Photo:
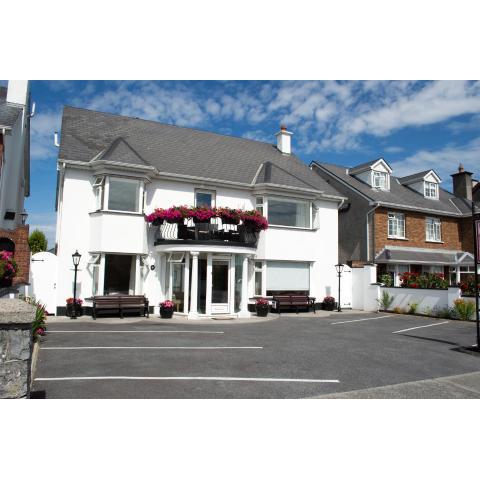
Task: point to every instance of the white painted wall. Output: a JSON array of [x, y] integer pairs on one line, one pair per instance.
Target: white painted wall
[[80, 228], [427, 299], [43, 279]]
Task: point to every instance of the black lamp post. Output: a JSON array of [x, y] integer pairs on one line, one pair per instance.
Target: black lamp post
[[476, 251], [76, 261], [339, 268]]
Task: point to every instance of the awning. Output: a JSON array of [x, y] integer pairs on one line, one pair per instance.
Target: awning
[[424, 257]]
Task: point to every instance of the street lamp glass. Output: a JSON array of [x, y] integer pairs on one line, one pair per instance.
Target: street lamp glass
[[339, 267], [76, 258]]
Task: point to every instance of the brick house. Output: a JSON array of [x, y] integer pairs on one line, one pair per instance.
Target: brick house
[[403, 223], [15, 174]]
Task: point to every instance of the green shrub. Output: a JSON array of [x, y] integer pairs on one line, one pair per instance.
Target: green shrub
[[37, 242], [386, 279], [464, 309], [413, 307], [386, 300]]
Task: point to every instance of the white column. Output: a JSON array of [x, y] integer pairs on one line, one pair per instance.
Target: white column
[[194, 286], [244, 301], [208, 300], [186, 284]]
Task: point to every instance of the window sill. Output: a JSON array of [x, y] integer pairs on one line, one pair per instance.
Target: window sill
[[117, 212], [433, 241], [398, 238], [291, 228]]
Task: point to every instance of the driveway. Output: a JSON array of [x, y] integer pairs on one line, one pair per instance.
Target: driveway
[[288, 357]]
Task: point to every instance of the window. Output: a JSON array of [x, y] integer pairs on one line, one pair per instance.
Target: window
[[288, 277], [380, 180], [123, 194], [98, 192], [431, 190], [204, 198], [433, 230], [290, 213], [396, 225], [176, 257], [94, 264], [259, 205], [258, 278]]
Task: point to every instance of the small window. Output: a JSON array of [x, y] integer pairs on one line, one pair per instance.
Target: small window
[[396, 225], [433, 230], [380, 180], [123, 194], [98, 186], [431, 190], [94, 259], [98, 182], [176, 257], [259, 205], [204, 198], [289, 213]]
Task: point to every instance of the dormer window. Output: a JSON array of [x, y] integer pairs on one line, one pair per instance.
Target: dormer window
[[431, 190], [380, 180]]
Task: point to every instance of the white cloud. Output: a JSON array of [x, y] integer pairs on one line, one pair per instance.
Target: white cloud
[[444, 161], [394, 149], [43, 126]]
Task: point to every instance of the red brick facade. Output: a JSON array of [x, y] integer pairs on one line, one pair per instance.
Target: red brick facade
[[19, 237], [455, 232]]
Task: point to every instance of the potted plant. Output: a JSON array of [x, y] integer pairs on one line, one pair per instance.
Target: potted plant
[[166, 309], [74, 307], [229, 216], [328, 303], [202, 214], [254, 221], [8, 268], [261, 307]]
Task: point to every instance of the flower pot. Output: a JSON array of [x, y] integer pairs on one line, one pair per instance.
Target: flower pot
[[74, 310], [262, 310], [166, 312], [329, 306]]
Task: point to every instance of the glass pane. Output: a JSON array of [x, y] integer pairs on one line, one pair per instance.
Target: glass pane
[[291, 214], [203, 199], [178, 281], [238, 281], [258, 283], [123, 195], [219, 283], [118, 270]]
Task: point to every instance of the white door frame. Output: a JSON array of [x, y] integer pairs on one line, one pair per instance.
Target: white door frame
[[221, 307]]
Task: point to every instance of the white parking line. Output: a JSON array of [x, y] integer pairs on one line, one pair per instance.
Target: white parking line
[[151, 348], [133, 331], [423, 326], [221, 379], [361, 319]]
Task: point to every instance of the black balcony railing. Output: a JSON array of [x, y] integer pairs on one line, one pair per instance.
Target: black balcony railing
[[209, 233]]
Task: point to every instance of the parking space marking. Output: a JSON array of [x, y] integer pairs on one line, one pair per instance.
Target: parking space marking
[[133, 331], [422, 326], [151, 348], [221, 379], [361, 319]]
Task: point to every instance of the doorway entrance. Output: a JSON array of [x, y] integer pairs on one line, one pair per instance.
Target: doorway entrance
[[119, 274], [220, 286]]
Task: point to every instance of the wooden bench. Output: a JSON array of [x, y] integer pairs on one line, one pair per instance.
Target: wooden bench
[[121, 304], [294, 301]]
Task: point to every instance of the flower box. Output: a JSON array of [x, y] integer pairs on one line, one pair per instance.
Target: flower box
[[262, 307], [166, 309]]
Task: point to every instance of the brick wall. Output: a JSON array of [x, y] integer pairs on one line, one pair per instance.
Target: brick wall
[[452, 231], [19, 237]]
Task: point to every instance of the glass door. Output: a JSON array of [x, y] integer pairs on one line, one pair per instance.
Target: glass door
[[220, 286]]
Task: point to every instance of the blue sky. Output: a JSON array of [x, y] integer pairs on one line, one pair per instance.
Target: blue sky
[[414, 125]]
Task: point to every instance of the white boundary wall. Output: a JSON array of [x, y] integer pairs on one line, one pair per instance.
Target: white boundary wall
[[426, 298]]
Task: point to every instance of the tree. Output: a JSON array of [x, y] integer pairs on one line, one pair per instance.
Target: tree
[[37, 241]]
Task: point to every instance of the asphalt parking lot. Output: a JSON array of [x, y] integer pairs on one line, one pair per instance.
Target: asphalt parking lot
[[289, 357]]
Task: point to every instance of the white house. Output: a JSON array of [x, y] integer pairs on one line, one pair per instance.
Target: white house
[[15, 117], [113, 170]]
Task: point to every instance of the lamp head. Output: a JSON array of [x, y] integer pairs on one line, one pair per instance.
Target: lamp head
[[76, 258]]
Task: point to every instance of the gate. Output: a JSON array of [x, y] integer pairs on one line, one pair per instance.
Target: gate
[[43, 278]]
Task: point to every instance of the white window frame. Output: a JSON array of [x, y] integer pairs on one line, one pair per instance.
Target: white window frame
[[176, 257], [399, 221], [376, 174], [259, 267], [98, 187], [266, 203], [260, 205], [427, 189], [139, 193], [433, 234], [213, 193]]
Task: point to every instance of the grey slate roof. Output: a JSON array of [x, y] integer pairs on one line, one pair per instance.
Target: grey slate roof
[[433, 257], [401, 195], [87, 134], [414, 176], [8, 113]]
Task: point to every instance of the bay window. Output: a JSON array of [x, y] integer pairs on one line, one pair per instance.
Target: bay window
[[433, 230], [396, 225], [123, 194], [289, 213]]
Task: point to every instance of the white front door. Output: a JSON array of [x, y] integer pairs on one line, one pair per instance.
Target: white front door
[[220, 286]]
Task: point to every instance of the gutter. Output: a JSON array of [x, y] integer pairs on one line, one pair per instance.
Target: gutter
[[368, 230]]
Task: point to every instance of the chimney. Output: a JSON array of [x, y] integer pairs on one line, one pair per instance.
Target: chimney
[[462, 183], [284, 141], [17, 92]]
